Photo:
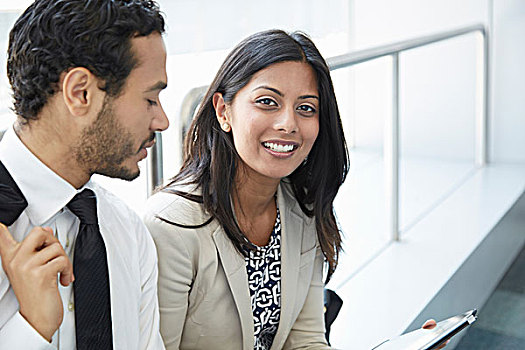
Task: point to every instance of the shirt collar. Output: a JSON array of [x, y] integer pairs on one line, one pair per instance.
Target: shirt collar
[[45, 191]]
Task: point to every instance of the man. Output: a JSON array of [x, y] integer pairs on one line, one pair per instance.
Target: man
[[78, 266]]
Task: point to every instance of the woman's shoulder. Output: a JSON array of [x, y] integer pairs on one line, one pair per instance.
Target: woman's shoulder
[[176, 204], [286, 191], [289, 200]]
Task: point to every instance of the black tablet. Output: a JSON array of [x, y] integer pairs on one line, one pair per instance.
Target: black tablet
[[428, 339]]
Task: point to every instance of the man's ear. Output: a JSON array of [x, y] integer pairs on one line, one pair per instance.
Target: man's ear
[[222, 112], [80, 91]]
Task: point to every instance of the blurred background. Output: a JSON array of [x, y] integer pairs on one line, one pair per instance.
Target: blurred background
[[432, 235]]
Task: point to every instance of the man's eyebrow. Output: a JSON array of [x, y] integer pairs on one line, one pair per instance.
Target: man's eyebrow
[[269, 88], [158, 86]]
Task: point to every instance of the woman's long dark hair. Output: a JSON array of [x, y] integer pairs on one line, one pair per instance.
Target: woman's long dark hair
[[210, 158]]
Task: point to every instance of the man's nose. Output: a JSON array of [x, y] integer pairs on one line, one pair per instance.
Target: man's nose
[[160, 122]]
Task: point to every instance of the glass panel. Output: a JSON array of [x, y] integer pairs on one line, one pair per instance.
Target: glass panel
[[364, 94], [437, 123]]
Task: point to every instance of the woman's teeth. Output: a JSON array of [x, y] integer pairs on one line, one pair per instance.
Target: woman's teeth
[[278, 148]]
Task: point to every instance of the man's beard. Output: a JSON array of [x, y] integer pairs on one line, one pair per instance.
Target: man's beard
[[105, 145]]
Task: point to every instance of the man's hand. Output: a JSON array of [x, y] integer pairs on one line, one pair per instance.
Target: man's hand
[[32, 267]]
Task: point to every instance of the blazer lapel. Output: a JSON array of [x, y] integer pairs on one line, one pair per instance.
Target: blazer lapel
[[291, 237], [235, 270]]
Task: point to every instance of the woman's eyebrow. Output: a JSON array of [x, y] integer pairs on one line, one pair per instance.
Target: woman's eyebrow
[[304, 97], [266, 87], [269, 88]]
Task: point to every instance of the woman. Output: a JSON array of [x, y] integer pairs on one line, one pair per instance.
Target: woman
[[243, 229]]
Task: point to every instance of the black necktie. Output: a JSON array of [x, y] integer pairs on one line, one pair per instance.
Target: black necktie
[[12, 201], [91, 286]]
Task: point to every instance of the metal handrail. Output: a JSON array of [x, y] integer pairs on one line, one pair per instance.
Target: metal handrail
[[189, 106], [155, 165], [391, 151], [356, 57]]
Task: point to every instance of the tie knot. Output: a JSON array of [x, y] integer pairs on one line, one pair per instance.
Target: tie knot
[[84, 206]]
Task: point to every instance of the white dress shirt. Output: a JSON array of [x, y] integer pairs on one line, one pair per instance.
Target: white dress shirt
[[132, 259]]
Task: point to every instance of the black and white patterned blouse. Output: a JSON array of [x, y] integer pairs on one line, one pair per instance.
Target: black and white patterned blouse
[[264, 279]]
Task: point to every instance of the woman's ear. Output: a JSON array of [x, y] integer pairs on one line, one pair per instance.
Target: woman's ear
[[80, 91], [221, 111]]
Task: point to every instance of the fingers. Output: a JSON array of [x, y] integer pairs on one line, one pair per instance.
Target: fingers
[[38, 238], [444, 344], [32, 267], [47, 254], [48, 229], [7, 242], [61, 264], [429, 324], [66, 272], [39, 248]]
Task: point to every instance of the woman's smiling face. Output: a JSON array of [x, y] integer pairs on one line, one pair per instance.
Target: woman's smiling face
[[274, 119]]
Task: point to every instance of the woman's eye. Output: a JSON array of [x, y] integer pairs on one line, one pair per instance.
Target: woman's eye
[[266, 101], [152, 102], [306, 108]]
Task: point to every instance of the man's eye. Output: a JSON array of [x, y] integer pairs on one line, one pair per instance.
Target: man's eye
[[152, 102], [267, 101]]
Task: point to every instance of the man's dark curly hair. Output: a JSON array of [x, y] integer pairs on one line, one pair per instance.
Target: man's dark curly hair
[[52, 36]]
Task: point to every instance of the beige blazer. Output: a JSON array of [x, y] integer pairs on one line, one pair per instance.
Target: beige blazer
[[203, 284]]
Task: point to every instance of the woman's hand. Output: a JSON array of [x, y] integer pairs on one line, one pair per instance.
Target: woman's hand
[[431, 324]]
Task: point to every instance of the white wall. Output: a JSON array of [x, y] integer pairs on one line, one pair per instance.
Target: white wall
[[508, 119], [382, 21], [203, 25], [437, 82]]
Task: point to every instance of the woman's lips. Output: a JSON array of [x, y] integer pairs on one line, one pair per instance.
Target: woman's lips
[[279, 148]]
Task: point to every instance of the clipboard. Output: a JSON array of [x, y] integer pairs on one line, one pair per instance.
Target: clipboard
[[428, 339]]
